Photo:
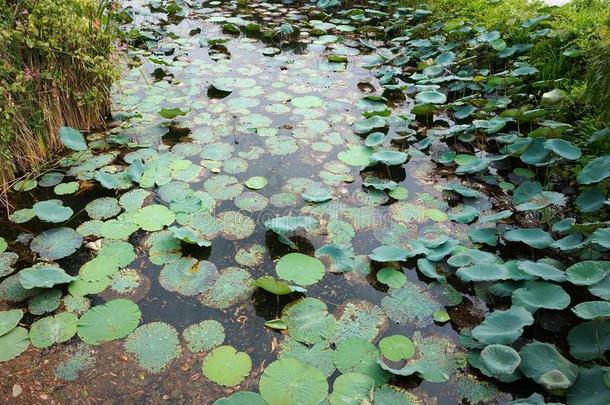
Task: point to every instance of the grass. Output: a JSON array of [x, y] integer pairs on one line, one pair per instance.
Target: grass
[[57, 63]]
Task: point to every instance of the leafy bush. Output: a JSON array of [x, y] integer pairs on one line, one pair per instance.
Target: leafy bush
[[57, 63]]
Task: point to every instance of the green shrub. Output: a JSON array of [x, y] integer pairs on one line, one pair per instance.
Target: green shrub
[[57, 63]]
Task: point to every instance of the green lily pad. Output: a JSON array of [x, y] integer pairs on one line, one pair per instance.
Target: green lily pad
[[352, 388], [391, 277], [356, 156], [534, 295], [43, 275], [226, 366], [112, 320], [309, 321], [56, 243], [397, 347], [589, 340], [155, 345], [72, 139], [66, 188], [9, 320], [154, 217], [256, 182], [587, 273], [539, 359], [232, 286], [592, 310], [591, 387], [503, 327], [204, 336], [13, 343], [356, 355], [301, 269], [410, 304], [500, 359], [103, 208], [288, 381], [53, 329], [536, 238], [52, 211], [188, 276]]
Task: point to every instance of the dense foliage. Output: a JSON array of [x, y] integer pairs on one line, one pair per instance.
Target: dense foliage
[[56, 66]]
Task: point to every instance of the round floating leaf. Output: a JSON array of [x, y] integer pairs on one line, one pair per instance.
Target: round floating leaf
[[591, 387], [319, 356], [352, 388], [592, 310], [72, 139], [309, 321], [538, 358], [47, 301], [410, 304], [232, 286], [52, 211], [542, 270], [53, 329], [204, 336], [188, 276], [389, 157], [356, 355], [43, 275], [356, 156], [441, 316], [391, 277], [13, 343], [9, 320], [103, 208], [154, 345], [226, 366], [588, 272], [51, 179], [430, 97], [66, 188], [7, 260], [307, 102], [500, 360], [256, 182], [359, 318], [112, 320], [589, 340], [288, 381], [536, 238], [534, 295], [595, 171], [154, 217], [272, 285], [300, 269], [25, 185], [56, 243], [397, 347], [503, 327]]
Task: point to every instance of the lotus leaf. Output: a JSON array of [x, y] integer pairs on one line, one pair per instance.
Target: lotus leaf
[[43, 275], [13, 343], [309, 321], [204, 336], [592, 310], [155, 345], [288, 381], [112, 320], [188, 276], [72, 139], [226, 366], [56, 243], [52, 211], [503, 327], [397, 347], [352, 388]]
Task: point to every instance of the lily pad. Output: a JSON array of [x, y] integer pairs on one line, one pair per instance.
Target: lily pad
[[56, 243], [155, 345], [226, 366], [43, 275], [301, 269], [13, 343], [188, 276], [112, 320], [53, 329], [288, 381]]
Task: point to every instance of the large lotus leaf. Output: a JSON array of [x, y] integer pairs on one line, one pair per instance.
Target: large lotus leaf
[[601, 236], [534, 399], [272, 285], [590, 200], [356, 355], [366, 125], [9, 320], [342, 259], [47, 301], [301, 269], [595, 171], [204, 336], [389, 157], [309, 321], [589, 340], [226, 366], [154, 345], [233, 285], [591, 387], [43, 275], [397, 347], [112, 320], [391, 395], [359, 318], [474, 359], [430, 97], [11, 290], [163, 248], [154, 217], [72, 139], [56, 243], [436, 359], [474, 165], [188, 276], [356, 156], [483, 272], [536, 238], [392, 277], [13, 343], [543, 270], [588, 272], [538, 359], [500, 359], [601, 289], [534, 295], [80, 287], [352, 388], [503, 327], [410, 304], [283, 226], [592, 310], [390, 254], [541, 200], [319, 355], [52, 211], [53, 329], [103, 208], [288, 381], [563, 148], [242, 398]]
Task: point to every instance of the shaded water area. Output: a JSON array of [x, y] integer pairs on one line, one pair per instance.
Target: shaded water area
[[276, 108]]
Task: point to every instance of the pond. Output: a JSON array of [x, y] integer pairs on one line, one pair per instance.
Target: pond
[[269, 214]]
